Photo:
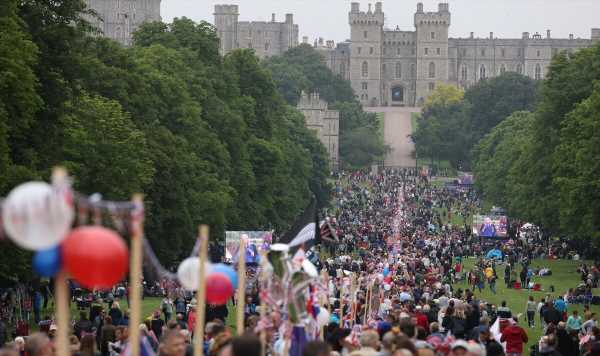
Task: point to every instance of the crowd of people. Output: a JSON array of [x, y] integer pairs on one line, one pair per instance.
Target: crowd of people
[[392, 290]]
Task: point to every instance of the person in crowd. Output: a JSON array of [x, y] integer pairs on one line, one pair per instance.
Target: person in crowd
[[166, 306], [574, 322], [515, 337], [504, 311], [108, 335], [157, 324], [88, 346], [172, 344], [39, 344], [530, 309]]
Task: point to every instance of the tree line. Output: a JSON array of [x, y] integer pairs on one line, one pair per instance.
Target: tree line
[[206, 138], [533, 146]]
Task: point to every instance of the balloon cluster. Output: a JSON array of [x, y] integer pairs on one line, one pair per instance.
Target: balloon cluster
[[221, 280], [38, 216]]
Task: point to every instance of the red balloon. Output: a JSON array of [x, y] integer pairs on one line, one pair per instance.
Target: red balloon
[[95, 256], [218, 288]]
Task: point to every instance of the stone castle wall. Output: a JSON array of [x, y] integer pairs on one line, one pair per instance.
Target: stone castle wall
[[119, 19]]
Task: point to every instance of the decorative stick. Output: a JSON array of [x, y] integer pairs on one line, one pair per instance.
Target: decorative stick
[[201, 293], [59, 180], [323, 299], [135, 275], [62, 314], [241, 291], [352, 299], [263, 304]]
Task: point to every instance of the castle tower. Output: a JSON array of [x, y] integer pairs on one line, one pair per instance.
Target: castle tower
[[226, 22], [432, 49], [366, 34], [118, 20], [595, 34]]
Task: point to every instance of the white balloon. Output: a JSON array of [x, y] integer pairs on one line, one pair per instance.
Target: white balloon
[[188, 272], [323, 317], [36, 216]]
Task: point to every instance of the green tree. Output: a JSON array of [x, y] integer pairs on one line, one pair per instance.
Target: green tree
[[445, 94], [104, 150], [577, 169]]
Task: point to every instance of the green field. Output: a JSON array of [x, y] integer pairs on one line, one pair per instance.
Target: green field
[[564, 276]]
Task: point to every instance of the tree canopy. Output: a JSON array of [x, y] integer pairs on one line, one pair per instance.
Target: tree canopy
[[206, 138], [450, 126], [303, 68], [543, 166]]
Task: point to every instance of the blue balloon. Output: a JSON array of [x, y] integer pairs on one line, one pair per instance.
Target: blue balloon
[[386, 271], [46, 263], [228, 271]]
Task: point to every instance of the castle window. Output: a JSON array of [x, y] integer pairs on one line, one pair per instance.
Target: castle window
[[383, 68], [384, 50], [365, 34], [342, 69], [482, 72], [371, 50], [438, 51], [483, 52], [426, 51], [398, 70], [463, 73], [519, 69], [413, 72], [365, 69], [538, 72], [538, 53], [464, 52], [364, 85], [431, 86], [412, 50], [266, 46], [502, 52], [433, 35], [398, 50], [502, 69], [520, 53], [554, 51], [431, 70]]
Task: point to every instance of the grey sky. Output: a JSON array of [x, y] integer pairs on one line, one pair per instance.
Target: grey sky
[[329, 18]]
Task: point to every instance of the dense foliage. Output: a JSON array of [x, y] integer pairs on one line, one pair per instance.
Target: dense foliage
[[207, 139], [449, 127], [303, 68], [544, 165]]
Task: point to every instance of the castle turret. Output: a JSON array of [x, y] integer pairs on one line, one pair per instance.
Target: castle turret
[[226, 22], [595, 34], [366, 34], [432, 49]]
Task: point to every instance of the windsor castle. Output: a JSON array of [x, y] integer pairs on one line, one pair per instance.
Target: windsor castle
[[385, 66]]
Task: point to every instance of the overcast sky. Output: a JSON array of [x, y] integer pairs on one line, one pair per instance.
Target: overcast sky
[[329, 18]]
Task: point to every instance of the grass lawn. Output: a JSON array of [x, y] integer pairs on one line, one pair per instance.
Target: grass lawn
[[564, 276]]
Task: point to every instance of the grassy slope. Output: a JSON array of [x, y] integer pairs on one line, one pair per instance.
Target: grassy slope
[[564, 276]]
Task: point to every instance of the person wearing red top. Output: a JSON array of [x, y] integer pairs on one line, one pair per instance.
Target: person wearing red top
[[191, 322], [514, 336], [422, 320]]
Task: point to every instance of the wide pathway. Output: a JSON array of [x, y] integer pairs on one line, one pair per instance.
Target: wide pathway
[[396, 134]]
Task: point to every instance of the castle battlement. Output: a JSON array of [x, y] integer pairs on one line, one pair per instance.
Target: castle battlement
[[226, 10]]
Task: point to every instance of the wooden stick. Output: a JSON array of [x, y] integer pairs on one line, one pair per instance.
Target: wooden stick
[[61, 289], [62, 314], [241, 291], [323, 299], [201, 293], [263, 304], [352, 300], [135, 275], [366, 305]]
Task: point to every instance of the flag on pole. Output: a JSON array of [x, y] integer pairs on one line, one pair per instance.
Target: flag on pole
[[305, 231]]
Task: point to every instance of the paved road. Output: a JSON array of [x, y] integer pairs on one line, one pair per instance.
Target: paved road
[[397, 127]]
